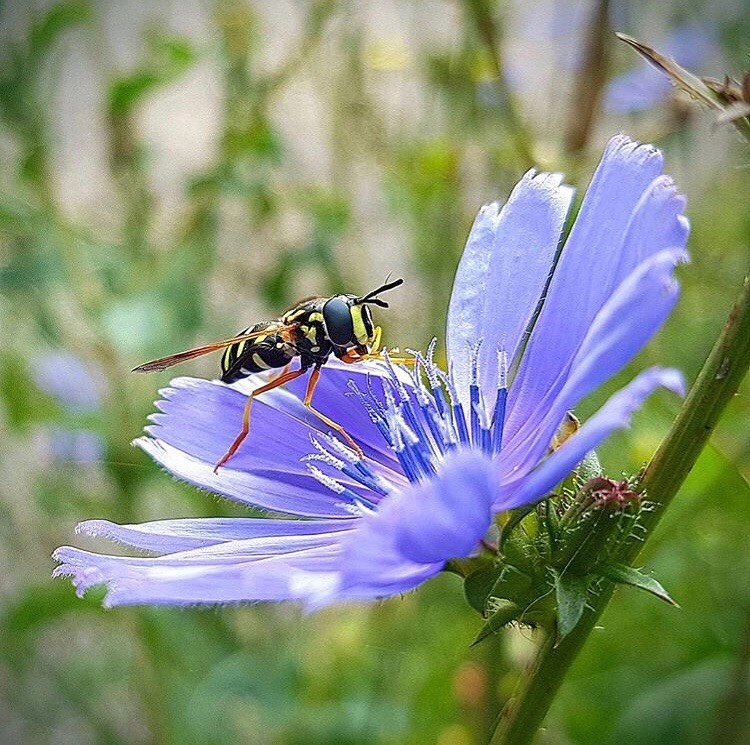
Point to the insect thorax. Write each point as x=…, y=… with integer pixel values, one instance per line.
x=310, y=336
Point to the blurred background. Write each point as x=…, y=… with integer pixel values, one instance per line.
x=171, y=172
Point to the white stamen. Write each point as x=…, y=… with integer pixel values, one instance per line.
x=363, y=508
x=341, y=450
x=397, y=382
x=326, y=480
x=448, y=380
x=475, y=363
x=324, y=455
x=352, y=509
x=502, y=368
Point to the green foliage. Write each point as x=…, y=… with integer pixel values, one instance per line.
x=626, y=575
x=168, y=58
x=571, y=592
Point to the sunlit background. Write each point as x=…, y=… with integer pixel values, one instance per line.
x=171, y=172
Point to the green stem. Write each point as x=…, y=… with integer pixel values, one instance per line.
x=716, y=384
x=524, y=713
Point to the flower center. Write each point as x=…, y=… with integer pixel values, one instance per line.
x=420, y=424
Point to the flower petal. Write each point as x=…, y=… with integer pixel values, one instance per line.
x=632, y=315
x=171, y=536
x=198, y=421
x=139, y=581
x=270, y=489
x=416, y=530
x=503, y=270
x=615, y=414
x=609, y=238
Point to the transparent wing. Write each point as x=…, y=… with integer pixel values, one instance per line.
x=174, y=359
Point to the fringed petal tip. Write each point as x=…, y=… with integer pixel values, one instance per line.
x=82, y=575
x=624, y=147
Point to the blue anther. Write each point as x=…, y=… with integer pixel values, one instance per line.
x=355, y=498
x=498, y=419
x=413, y=420
x=485, y=440
x=431, y=416
x=410, y=469
x=354, y=473
x=423, y=464
x=474, y=413
x=440, y=402
x=460, y=420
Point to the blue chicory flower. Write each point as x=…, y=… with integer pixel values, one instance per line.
x=77, y=385
x=82, y=446
x=444, y=451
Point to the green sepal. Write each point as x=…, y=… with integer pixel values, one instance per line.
x=515, y=518
x=571, y=591
x=514, y=584
x=626, y=575
x=478, y=586
x=504, y=612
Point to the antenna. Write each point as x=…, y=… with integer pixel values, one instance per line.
x=372, y=298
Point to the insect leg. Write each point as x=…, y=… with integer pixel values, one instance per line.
x=351, y=357
x=275, y=383
x=323, y=418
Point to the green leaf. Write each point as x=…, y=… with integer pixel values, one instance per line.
x=512, y=583
x=571, y=591
x=625, y=575
x=169, y=57
x=505, y=612
x=478, y=586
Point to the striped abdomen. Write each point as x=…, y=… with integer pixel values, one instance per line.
x=255, y=355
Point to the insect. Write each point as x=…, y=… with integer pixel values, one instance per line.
x=312, y=329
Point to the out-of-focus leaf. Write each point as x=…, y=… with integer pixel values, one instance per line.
x=35, y=609
x=169, y=58
x=674, y=707
x=22, y=402
x=57, y=19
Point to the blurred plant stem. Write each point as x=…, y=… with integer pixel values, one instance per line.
x=590, y=82
x=733, y=720
x=716, y=384
x=482, y=15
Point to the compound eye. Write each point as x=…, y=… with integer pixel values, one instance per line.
x=337, y=317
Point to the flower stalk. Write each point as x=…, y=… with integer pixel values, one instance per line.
x=715, y=385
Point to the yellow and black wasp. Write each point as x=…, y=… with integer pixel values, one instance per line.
x=313, y=329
